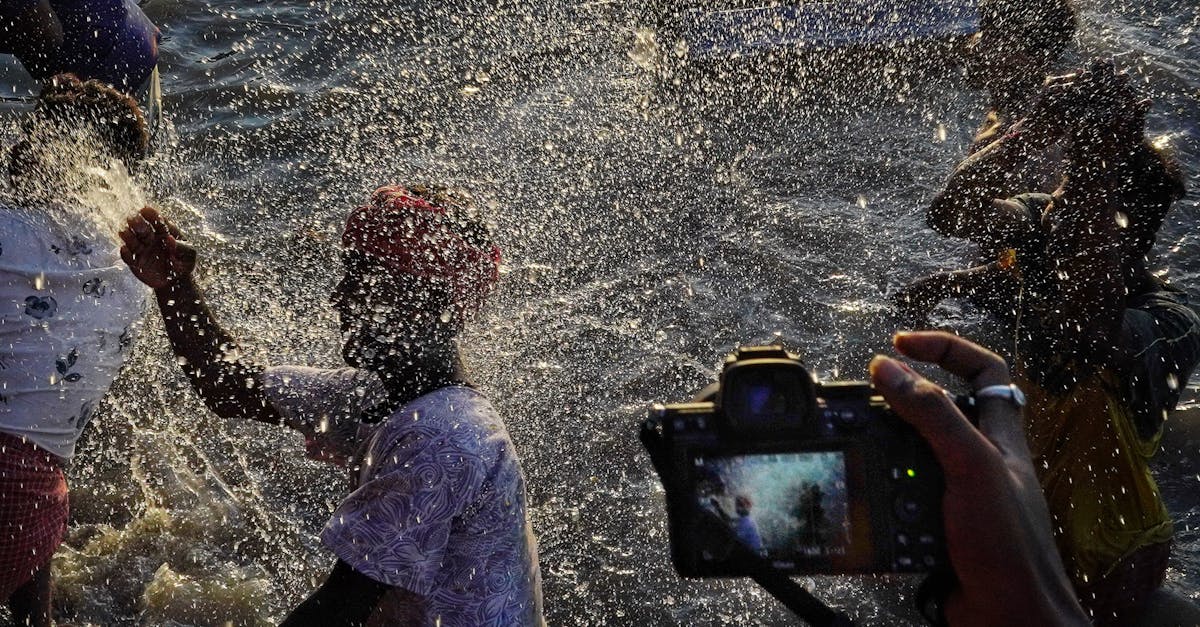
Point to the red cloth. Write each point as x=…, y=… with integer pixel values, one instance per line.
x=410, y=235
x=1117, y=598
x=33, y=511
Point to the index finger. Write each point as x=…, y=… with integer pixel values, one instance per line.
x=979, y=366
x=998, y=419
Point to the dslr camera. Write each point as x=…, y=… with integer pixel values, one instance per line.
x=808, y=477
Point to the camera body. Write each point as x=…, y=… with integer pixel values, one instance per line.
x=814, y=478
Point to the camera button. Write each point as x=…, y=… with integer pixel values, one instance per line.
x=848, y=418
x=908, y=509
x=904, y=561
x=902, y=539
x=929, y=561
x=926, y=538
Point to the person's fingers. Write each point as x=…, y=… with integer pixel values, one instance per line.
x=184, y=258
x=979, y=366
x=958, y=446
x=999, y=420
x=160, y=227
x=173, y=230
x=127, y=255
x=140, y=226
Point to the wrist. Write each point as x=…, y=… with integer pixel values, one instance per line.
x=178, y=288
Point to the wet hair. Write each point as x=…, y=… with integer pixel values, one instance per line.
x=1152, y=184
x=1045, y=26
x=67, y=102
x=460, y=206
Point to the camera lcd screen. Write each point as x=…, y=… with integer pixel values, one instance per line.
x=791, y=507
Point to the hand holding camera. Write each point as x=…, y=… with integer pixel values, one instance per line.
x=813, y=477
x=835, y=478
x=997, y=525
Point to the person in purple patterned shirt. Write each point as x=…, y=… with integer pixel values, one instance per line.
x=436, y=531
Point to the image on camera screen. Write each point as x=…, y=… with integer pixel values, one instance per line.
x=784, y=506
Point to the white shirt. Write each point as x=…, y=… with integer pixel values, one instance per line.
x=439, y=507
x=69, y=311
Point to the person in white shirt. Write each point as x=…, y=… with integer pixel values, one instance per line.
x=70, y=312
x=436, y=531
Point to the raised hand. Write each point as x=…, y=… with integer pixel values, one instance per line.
x=918, y=298
x=153, y=251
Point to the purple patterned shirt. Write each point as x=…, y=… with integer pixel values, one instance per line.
x=439, y=508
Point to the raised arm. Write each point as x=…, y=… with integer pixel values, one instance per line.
x=969, y=206
x=228, y=382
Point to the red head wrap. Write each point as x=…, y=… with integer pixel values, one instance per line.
x=410, y=235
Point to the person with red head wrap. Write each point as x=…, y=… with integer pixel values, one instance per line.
x=439, y=492
x=410, y=235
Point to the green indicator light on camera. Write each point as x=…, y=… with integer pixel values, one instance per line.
x=910, y=472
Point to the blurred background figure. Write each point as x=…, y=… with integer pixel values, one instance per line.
x=744, y=526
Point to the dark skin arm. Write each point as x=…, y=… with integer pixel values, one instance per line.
x=967, y=207
x=919, y=297
x=31, y=33
x=228, y=382
x=348, y=598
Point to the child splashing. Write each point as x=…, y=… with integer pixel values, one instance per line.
x=70, y=312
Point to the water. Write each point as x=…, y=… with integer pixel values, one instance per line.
x=645, y=236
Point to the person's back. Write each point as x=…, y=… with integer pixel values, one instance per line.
x=70, y=309
x=70, y=312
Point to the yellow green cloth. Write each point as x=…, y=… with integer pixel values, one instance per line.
x=1093, y=468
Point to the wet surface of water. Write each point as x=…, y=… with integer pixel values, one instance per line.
x=645, y=236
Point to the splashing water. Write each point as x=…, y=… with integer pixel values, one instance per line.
x=651, y=220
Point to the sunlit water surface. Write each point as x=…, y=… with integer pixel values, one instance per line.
x=646, y=233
